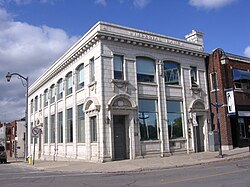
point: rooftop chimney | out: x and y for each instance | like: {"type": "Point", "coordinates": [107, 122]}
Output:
{"type": "Point", "coordinates": [195, 37]}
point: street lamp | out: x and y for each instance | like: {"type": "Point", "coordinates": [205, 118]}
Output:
{"type": "Point", "coordinates": [223, 59]}
{"type": "Point", "coordinates": [8, 77]}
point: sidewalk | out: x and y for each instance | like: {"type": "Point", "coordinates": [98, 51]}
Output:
{"type": "Point", "coordinates": [153, 163]}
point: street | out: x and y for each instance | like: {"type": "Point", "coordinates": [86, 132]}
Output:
{"type": "Point", "coordinates": [228, 173]}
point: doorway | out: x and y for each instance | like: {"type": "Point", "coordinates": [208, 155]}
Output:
{"type": "Point", "coordinates": [199, 134]}
{"type": "Point", "coordinates": [120, 151]}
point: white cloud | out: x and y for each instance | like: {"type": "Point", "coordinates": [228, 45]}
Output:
{"type": "Point", "coordinates": [101, 2]}
{"type": "Point", "coordinates": [28, 50]}
{"type": "Point", "coordinates": [247, 51]}
{"type": "Point", "coordinates": [141, 3]}
{"type": "Point", "coordinates": [210, 4]}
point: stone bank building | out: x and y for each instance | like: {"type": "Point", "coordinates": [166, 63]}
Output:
{"type": "Point", "coordinates": [121, 93]}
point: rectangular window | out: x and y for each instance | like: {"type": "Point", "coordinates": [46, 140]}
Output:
{"type": "Point", "coordinates": [148, 119]}
{"type": "Point", "coordinates": [69, 125]}
{"type": "Point", "coordinates": [92, 69]}
{"type": "Point", "coordinates": [242, 128]}
{"type": "Point", "coordinates": [214, 83]}
{"type": "Point", "coordinates": [81, 124]}
{"type": "Point", "coordinates": [145, 69]}
{"type": "Point", "coordinates": [118, 67]}
{"type": "Point", "coordinates": [60, 127]}
{"type": "Point", "coordinates": [174, 119]}
{"type": "Point", "coordinates": [52, 129]}
{"type": "Point", "coordinates": [93, 129]}
{"type": "Point", "coordinates": [31, 124]}
{"type": "Point", "coordinates": [193, 76]}
{"type": "Point", "coordinates": [45, 130]}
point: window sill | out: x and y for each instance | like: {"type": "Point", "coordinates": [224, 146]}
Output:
{"type": "Point", "coordinates": [196, 90]}
{"type": "Point", "coordinates": [150, 141]}
{"type": "Point", "coordinates": [173, 86]}
{"type": "Point", "coordinates": [148, 83]}
{"type": "Point", "coordinates": [92, 84]}
{"type": "Point", "coordinates": [177, 139]}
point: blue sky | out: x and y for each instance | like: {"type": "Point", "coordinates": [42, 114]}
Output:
{"type": "Point", "coordinates": [34, 33]}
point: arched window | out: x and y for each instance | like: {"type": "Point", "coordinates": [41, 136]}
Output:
{"type": "Point", "coordinates": [36, 103]}
{"type": "Point", "coordinates": [52, 93]}
{"type": "Point", "coordinates": [145, 69]}
{"type": "Point", "coordinates": [59, 89]}
{"type": "Point", "coordinates": [31, 106]}
{"type": "Point", "coordinates": [46, 97]}
{"type": "Point", "coordinates": [69, 83]}
{"type": "Point", "coordinates": [172, 73]}
{"type": "Point", "coordinates": [80, 76]}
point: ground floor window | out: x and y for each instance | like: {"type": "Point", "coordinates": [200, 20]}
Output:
{"type": "Point", "coordinates": [175, 119]}
{"type": "Point", "coordinates": [69, 125]}
{"type": "Point", "coordinates": [46, 138]}
{"type": "Point", "coordinates": [243, 132]}
{"type": "Point", "coordinates": [81, 124]}
{"type": "Point", "coordinates": [148, 117]}
{"type": "Point", "coordinates": [60, 127]}
{"type": "Point", "coordinates": [52, 129]}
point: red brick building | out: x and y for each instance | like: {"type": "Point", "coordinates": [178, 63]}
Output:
{"type": "Point", "coordinates": [231, 75]}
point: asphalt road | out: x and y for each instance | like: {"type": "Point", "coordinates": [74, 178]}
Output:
{"type": "Point", "coordinates": [229, 173]}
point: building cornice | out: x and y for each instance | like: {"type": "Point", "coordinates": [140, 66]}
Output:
{"type": "Point", "coordinates": [121, 34]}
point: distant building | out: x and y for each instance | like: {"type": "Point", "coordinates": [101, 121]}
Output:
{"type": "Point", "coordinates": [18, 138]}
{"type": "Point", "coordinates": [121, 93]}
{"type": "Point", "coordinates": [232, 77]}
{"type": "Point", "coordinates": [12, 137]}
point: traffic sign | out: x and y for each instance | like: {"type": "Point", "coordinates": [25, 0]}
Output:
{"type": "Point", "coordinates": [35, 131]}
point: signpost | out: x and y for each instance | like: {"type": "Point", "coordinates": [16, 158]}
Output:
{"type": "Point", "coordinates": [35, 133]}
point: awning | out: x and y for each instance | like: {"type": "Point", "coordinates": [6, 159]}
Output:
{"type": "Point", "coordinates": [241, 75]}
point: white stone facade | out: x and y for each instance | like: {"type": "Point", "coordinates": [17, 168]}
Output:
{"type": "Point", "coordinates": [111, 106]}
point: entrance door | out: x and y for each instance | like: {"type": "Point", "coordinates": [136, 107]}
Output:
{"type": "Point", "coordinates": [200, 134]}
{"type": "Point", "coordinates": [119, 137]}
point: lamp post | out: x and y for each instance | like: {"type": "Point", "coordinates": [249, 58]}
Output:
{"type": "Point", "coordinates": [8, 77]}
{"type": "Point", "coordinates": [222, 59]}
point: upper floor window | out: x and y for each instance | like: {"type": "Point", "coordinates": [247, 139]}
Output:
{"type": "Point", "coordinates": [46, 97]}
{"type": "Point", "coordinates": [145, 69]}
{"type": "Point", "coordinates": [36, 103]}
{"type": "Point", "coordinates": [193, 76]}
{"type": "Point", "coordinates": [52, 93]}
{"type": "Point", "coordinates": [69, 83]}
{"type": "Point", "coordinates": [60, 89]}
{"type": "Point", "coordinates": [213, 80]}
{"type": "Point", "coordinates": [241, 79]}
{"type": "Point", "coordinates": [40, 101]}
{"type": "Point", "coordinates": [172, 73]}
{"type": "Point", "coordinates": [92, 69]}
{"type": "Point", "coordinates": [31, 106]}
{"type": "Point", "coordinates": [118, 67]}
{"type": "Point", "coordinates": [80, 76]}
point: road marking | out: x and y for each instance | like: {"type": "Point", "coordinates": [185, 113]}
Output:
{"type": "Point", "coordinates": [204, 177]}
